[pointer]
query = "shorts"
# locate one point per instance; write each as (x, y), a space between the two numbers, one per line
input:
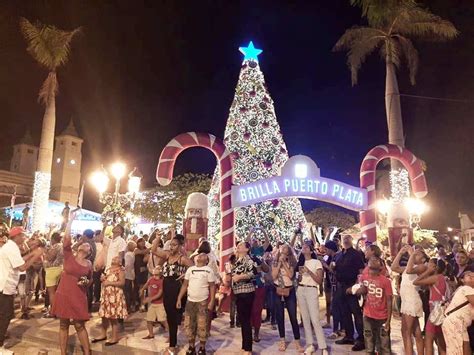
(21, 286)
(156, 313)
(52, 275)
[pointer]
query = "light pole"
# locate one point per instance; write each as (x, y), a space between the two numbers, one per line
(116, 203)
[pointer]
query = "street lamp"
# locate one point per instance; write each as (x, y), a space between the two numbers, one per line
(116, 203)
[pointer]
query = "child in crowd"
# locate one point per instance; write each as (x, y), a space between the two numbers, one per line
(156, 310)
(129, 275)
(377, 290)
(199, 283)
(225, 289)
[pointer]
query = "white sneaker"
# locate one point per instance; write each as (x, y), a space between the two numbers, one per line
(4, 351)
(309, 350)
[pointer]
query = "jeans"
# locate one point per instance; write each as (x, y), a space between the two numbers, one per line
(6, 314)
(259, 300)
(244, 302)
(349, 306)
(290, 304)
(270, 296)
(376, 336)
(309, 307)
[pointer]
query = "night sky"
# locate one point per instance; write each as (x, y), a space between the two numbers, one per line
(143, 71)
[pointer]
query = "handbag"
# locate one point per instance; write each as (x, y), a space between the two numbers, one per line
(437, 314)
(281, 290)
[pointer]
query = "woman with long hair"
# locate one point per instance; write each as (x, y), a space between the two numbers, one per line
(70, 302)
(412, 306)
(434, 278)
(174, 268)
(243, 270)
(283, 273)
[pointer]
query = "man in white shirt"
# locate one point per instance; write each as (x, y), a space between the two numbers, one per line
(116, 245)
(199, 283)
(11, 264)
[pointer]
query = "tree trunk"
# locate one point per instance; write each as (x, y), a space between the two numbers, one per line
(45, 156)
(393, 108)
(395, 136)
(43, 171)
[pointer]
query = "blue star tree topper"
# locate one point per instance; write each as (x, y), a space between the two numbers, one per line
(250, 52)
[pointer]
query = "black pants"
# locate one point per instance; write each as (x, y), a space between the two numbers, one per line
(349, 306)
(129, 294)
(290, 304)
(244, 302)
(6, 314)
(173, 315)
(97, 284)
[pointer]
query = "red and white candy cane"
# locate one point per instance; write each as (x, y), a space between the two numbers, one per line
(367, 181)
(164, 175)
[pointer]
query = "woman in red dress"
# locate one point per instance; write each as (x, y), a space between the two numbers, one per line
(70, 303)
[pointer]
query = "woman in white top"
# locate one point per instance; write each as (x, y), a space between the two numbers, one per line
(412, 307)
(309, 280)
(459, 316)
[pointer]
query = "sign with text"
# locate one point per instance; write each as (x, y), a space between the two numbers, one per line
(300, 177)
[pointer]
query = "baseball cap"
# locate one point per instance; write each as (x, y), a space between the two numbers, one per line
(331, 245)
(89, 233)
(16, 231)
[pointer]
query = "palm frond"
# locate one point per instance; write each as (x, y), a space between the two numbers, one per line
(48, 45)
(359, 42)
(391, 52)
(379, 12)
(49, 89)
(417, 22)
(410, 53)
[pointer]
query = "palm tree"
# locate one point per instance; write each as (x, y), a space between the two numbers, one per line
(50, 47)
(392, 24)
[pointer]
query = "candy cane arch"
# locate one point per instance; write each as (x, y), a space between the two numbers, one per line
(164, 175)
(367, 181)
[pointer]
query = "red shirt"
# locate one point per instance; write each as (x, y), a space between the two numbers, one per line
(379, 289)
(154, 286)
(383, 272)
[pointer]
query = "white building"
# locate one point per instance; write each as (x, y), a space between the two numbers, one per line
(65, 171)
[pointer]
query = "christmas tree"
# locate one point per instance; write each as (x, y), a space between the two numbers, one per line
(253, 137)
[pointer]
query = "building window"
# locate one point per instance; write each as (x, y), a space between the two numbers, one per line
(30, 151)
(74, 144)
(73, 162)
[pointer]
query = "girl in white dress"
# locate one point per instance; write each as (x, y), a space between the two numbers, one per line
(412, 307)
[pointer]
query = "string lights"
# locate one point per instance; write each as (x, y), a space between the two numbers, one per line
(40, 201)
(258, 151)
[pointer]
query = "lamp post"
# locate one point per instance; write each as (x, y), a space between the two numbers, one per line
(116, 203)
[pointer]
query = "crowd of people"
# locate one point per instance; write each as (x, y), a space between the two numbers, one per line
(362, 284)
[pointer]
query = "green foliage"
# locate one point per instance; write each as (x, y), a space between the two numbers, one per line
(391, 25)
(165, 204)
(424, 237)
(330, 217)
(50, 47)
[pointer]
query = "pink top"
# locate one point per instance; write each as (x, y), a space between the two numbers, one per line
(438, 293)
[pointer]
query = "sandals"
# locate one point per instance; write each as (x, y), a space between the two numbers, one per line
(96, 340)
(299, 348)
(282, 345)
(110, 343)
(148, 337)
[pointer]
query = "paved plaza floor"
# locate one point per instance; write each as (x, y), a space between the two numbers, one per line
(41, 335)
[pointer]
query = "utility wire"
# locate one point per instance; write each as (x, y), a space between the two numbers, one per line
(437, 98)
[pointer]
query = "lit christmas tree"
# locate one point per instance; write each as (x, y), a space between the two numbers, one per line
(253, 137)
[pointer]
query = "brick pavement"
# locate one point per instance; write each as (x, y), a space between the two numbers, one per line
(30, 336)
